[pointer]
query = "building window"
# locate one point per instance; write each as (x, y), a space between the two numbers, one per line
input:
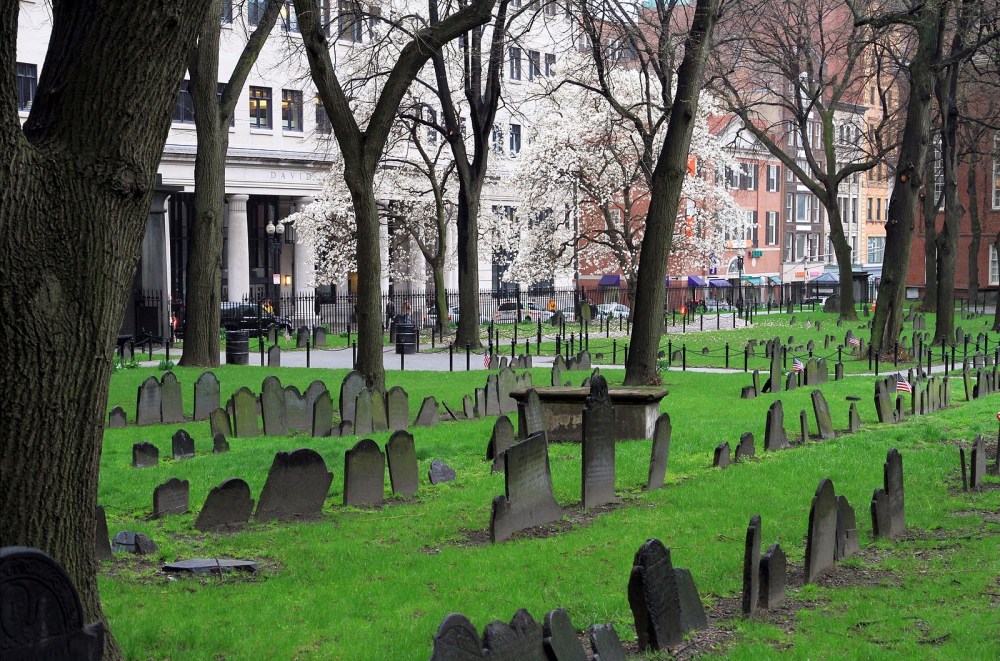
(994, 266)
(255, 10)
(771, 235)
(996, 173)
(323, 124)
(854, 210)
(289, 22)
(876, 249)
(515, 139)
(515, 64)
(184, 110)
(800, 247)
(27, 83)
(878, 208)
(870, 216)
(790, 208)
(260, 107)
(534, 64)
(227, 11)
(349, 21)
(773, 177)
(551, 8)
(802, 209)
(550, 58)
(748, 176)
(789, 175)
(788, 248)
(291, 110)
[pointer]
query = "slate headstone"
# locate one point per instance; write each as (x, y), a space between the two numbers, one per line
(147, 405)
(774, 431)
(774, 381)
(693, 616)
(206, 395)
(821, 537)
(506, 383)
(803, 426)
(296, 486)
(654, 599)
(227, 507)
(440, 472)
(448, 413)
(501, 439)
(746, 447)
(561, 643)
(274, 356)
(428, 415)
(311, 393)
(302, 337)
(521, 640)
(773, 574)
(397, 408)
(751, 567)
(145, 455)
(245, 423)
(380, 418)
(492, 396)
(598, 440)
(219, 444)
(133, 542)
(102, 544)
(848, 542)
(116, 418)
(822, 412)
(977, 463)
(350, 388)
(364, 474)
(363, 413)
(171, 402)
(660, 452)
(468, 407)
(748, 392)
(297, 416)
(322, 415)
(171, 497)
(888, 507)
(721, 458)
(345, 428)
(319, 336)
(531, 415)
(401, 455)
(456, 640)
(528, 500)
(480, 405)
(853, 419)
(605, 643)
(273, 411)
(756, 382)
(220, 423)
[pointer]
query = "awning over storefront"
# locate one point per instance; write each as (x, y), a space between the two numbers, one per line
(774, 280)
(753, 279)
(695, 281)
(719, 283)
(610, 280)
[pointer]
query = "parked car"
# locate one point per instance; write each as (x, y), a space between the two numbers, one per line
(569, 314)
(613, 310)
(244, 316)
(508, 313)
(431, 318)
(713, 306)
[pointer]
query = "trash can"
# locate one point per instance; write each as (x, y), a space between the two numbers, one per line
(407, 340)
(237, 347)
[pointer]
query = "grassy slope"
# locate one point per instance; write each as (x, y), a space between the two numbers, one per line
(375, 584)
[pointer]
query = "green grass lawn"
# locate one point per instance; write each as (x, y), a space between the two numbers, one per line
(375, 584)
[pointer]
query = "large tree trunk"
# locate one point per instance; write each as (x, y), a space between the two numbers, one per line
(977, 229)
(467, 240)
(665, 192)
(75, 190)
(441, 297)
(842, 250)
(929, 208)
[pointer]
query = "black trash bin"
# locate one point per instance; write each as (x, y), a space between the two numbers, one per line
(407, 340)
(237, 347)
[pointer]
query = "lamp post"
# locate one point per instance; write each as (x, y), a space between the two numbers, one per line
(739, 269)
(274, 233)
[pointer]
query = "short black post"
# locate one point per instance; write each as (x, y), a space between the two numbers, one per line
(538, 339)
(684, 357)
(701, 320)
(307, 355)
(869, 356)
(432, 337)
(684, 319)
(468, 356)
(451, 356)
(354, 355)
(513, 346)
(558, 344)
(166, 346)
(895, 353)
(348, 334)
(626, 354)
(614, 352)
(151, 349)
(784, 357)
(727, 355)
(670, 353)
(572, 343)
(930, 356)
(876, 362)
(402, 360)
(260, 343)
(840, 353)
(587, 339)
(953, 356)
(746, 358)
(515, 332)
(673, 317)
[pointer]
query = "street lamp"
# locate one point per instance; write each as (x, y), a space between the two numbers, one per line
(274, 233)
(739, 269)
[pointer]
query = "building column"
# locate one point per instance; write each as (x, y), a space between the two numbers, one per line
(238, 266)
(383, 249)
(304, 267)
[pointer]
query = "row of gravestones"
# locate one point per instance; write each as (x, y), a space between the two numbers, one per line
(494, 398)
(972, 475)
(986, 383)
(519, 362)
(580, 363)
(161, 401)
(816, 372)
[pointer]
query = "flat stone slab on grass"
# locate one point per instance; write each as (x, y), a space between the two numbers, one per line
(201, 566)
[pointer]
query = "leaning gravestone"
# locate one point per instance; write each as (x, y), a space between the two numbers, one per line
(147, 404)
(821, 538)
(557, 375)
(660, 452)
(751, 567)
(468, 407)
(848, 543)
(598, 445)
(296, 486)
(521, 640)
(133, 542)
(528, 500)
(440, 472)
(773, 574)
(654, 599)
(363, 413)
(145, 455)
(560, 640)
(397, 408)
(748, 392)
(456, 640)
(274, 356)
(888, 507)
(401, 454)
(116, 419)
(428, 415)
(42, 616)
(380, 419)
(364, 474)
(345, 428)
(822, 412)
(350, 388)
(245, 423)
(531, 415)
(219, 444)
(171, 400)
(297, 416)
(605, 643)
(227, 507)
(451, 414)
(272, 407)
(883, 403)
(206, 395)
(171, 497)
(746, 447)
(774, 431)
(102, 546)
(722, 453)
(977, 462)
(220, 423)
(322, 415)
(501, 439)
(756, 383)
(853, 419)
(182, 445)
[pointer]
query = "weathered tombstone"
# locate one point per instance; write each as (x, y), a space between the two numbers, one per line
(721, 458)
(296, 486)
(272, 333)
(561, 643)
(521, 640)
(530, 416)
(821, 537)
(605, 643)
(272, 407)
(322, 415)
(350, 388)
(977, 463)
(440, 472)
(748, 392)
(773, 574)
(206, 395)
(506, 383)
(528, 500)
(401, 454)
(480, 405)
(428, 415)
(774, 382)
(557, 374)
(171, 400)
(654, 599)
(803, 426)
(848, 542)
(456, 640)
(380, 419)
(751, 567)
(302, 337)
(883, 403)
(888, 507)
(774, 431)
(102, 545)
(205, 566)
(503, 362)
(853, 419)
(838, 371)
(220, 423)
(822, 412)
(42, 615)
(133, 542)
(319, 336)
(745, 448)
(492, 396)
(363, 413)
(965, 476)
(468, 407)
(448, 413)
(756, 382)
(274, 356)
(792, 381)
(598, 440)
(245, 423)
(364, 474)
(145, 455)
(219, 444)
(147, 403)
(345, 428)
(171, 497)
(182, 445)
(227, 507)
(116, 419)
(312, 393)
(398, 408)
(660, 452)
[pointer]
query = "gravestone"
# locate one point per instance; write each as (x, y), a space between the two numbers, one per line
(296, 486)
(967, 381)
(501, 439)
(977, 467)
(692, 611)
(585, 383)
(822, 370)
(492, 396)
(773, 574)
(746, 447)
(748, 392)
(227, 507)
(530, 416)
(821, 537)
(364, 474)
(206, 395)
(803, 426)
(503, 362)
(219, 444)
(853, 419)
(274, 356)
(401, 454)
(319, 336)
(272, 407)
(345, 428)
(506, 383)
(721, 458)
(272, 333)
(559, 638)
(756, 383)
(810, 373)
(888, 507)
(147, 403)
(774, 382)
(380, 419)
(598, 440)
(965, 476)
(397, 408)
(751, 567)
(662, 599)
(350, 388)
(363, 413)
(171, 497)
(848, 542)
(133, 542)
(182, 445)
(322, 415)
(205, 566)
(428, 415)
(528, 500)
(145, 455)
(660, 452)
(297, 416)
(838, 371)
(792, 381)
(521, 640)
(440, 472)
(311, 394)
(116, 419)
(171, 400)
(42, 616)
(557, 375)
(883, 402)
(605, 643)
(480, 403)
(220, 423)
(456, 640)
(102, 545)
(302, 337)
(448, 412)
(774, 431)
(468, 407)
(822, 412)
(245, 423)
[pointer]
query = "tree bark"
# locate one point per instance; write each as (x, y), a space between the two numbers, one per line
(977, 229)
(929, 208)
(665, 192)
(213, 115)
(75, 189)
(842, 250)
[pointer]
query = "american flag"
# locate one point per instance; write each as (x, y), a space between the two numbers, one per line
(902, 385)
(854, 341)
(797, 365)
(809, 324)
(486, 360)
